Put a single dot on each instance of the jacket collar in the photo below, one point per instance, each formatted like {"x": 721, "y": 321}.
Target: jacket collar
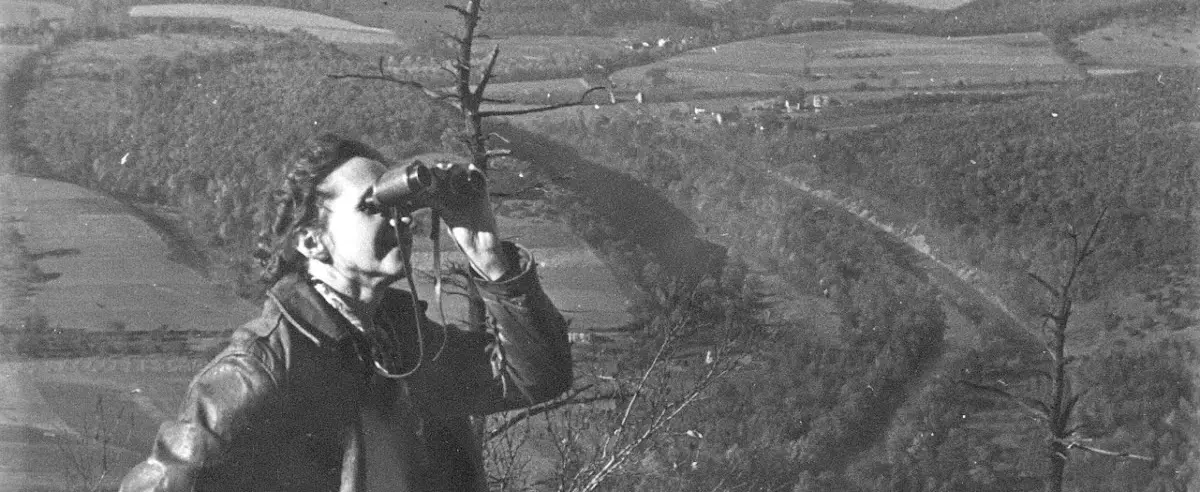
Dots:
{"x": 303, "y": 306}
{"x": 310, "y": 313}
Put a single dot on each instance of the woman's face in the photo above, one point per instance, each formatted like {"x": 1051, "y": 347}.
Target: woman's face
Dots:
{"x": 362, "y": 246}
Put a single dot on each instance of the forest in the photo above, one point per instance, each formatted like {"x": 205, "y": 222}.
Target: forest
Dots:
{"x": 1048, "y": 157}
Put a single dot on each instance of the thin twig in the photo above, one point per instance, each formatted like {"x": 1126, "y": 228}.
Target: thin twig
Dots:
{"x": 662, "y": 348}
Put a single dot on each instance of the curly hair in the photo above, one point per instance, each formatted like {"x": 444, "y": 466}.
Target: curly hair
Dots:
{"x": 297, "y": 202}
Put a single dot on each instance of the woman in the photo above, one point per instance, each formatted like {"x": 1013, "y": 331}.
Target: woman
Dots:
{"x": 342, "y": 383}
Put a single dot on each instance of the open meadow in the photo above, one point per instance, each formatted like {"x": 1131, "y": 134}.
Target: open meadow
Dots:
{"x": 823, "y": 62}
{"x": 1144, "y": 43}
{"x": 838, "y": 60}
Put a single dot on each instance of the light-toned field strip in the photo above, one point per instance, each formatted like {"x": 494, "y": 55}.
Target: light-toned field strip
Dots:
{"x": 112, "y": 268}
{"x": 18, "y": 12}
{"x": 1129, "y": 43}
{"x": 274, "y": 18}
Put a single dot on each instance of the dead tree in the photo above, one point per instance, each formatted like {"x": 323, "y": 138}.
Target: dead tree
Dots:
{"x": 467, "y": 95}
{"x": 468, "y": 92}
{"x": 1055, "y": 409}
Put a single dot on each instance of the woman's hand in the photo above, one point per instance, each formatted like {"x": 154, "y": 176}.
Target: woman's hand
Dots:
{"x": 461, "y": 196}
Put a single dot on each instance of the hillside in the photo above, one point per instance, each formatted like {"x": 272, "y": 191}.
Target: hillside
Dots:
{"x": 996, "y": 207}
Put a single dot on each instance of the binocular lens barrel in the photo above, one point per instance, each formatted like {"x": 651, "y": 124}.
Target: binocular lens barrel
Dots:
{"x": 401, "y": 184}
{"x": 408, "y": 186}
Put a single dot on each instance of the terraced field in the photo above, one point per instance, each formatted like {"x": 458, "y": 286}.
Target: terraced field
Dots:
{"x": 325, "y": 27}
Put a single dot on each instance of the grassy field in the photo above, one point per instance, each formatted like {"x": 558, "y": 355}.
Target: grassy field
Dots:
{"x": 804, "y": 10}
{"x": 86, "y": 57}
{"x": 518, "y": 53}
{"x": 15, "y": 12}
{"x": 933, "y": 4}
{"x": 325, "y": 27}
{"x": 828, "y": 61}
{"x": 1138, "y": 43}
{"x": 837, "y": 60}
{"x": 114, "y": 270}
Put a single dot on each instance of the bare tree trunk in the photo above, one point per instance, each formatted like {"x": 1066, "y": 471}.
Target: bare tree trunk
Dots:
{"x": 1056, "y": 408}
{"x": 1057, "y": 452}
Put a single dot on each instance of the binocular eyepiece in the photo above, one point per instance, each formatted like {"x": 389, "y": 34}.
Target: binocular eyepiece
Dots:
{"x": 415, "y": 184}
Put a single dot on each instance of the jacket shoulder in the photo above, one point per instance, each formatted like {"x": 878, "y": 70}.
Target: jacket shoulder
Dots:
{"x": 264, "y": 340}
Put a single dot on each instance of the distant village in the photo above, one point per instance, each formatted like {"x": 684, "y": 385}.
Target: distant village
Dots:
{"x": 771, "y": 114}
{"x": 660, "y": 44}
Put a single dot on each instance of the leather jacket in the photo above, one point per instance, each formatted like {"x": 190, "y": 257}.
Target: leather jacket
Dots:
{"x": 292, "y": 404}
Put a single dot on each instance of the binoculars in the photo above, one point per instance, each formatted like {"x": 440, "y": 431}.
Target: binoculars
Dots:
{"x": 415, "y": 184}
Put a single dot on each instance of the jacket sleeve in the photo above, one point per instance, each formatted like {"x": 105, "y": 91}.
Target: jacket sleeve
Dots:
{"x": 225, "y": 399}
{"x": 527, "y": 361}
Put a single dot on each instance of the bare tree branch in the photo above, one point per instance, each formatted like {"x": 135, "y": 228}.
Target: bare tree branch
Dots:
{"x": 1040, "y": 337}
{"x": 1076, "y": 444}
{"x": 1088, "y": 248}
{"x": 1068, "y": 407}
{"x": 496, "y": 101}
{"x": 1082, "y": 253}
{"x": 641, "y": 385}
{"x": 1045, "y": 284}
{"x": 667, "y": 414}
{"x": 581, "y": 102}
{"x": 463, "y": 12}
{"x": 435, "y": 94}
{"x": 572, "y": 398}
{"x": 487, "y": 73}
{"x": 1032, "y": 405}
